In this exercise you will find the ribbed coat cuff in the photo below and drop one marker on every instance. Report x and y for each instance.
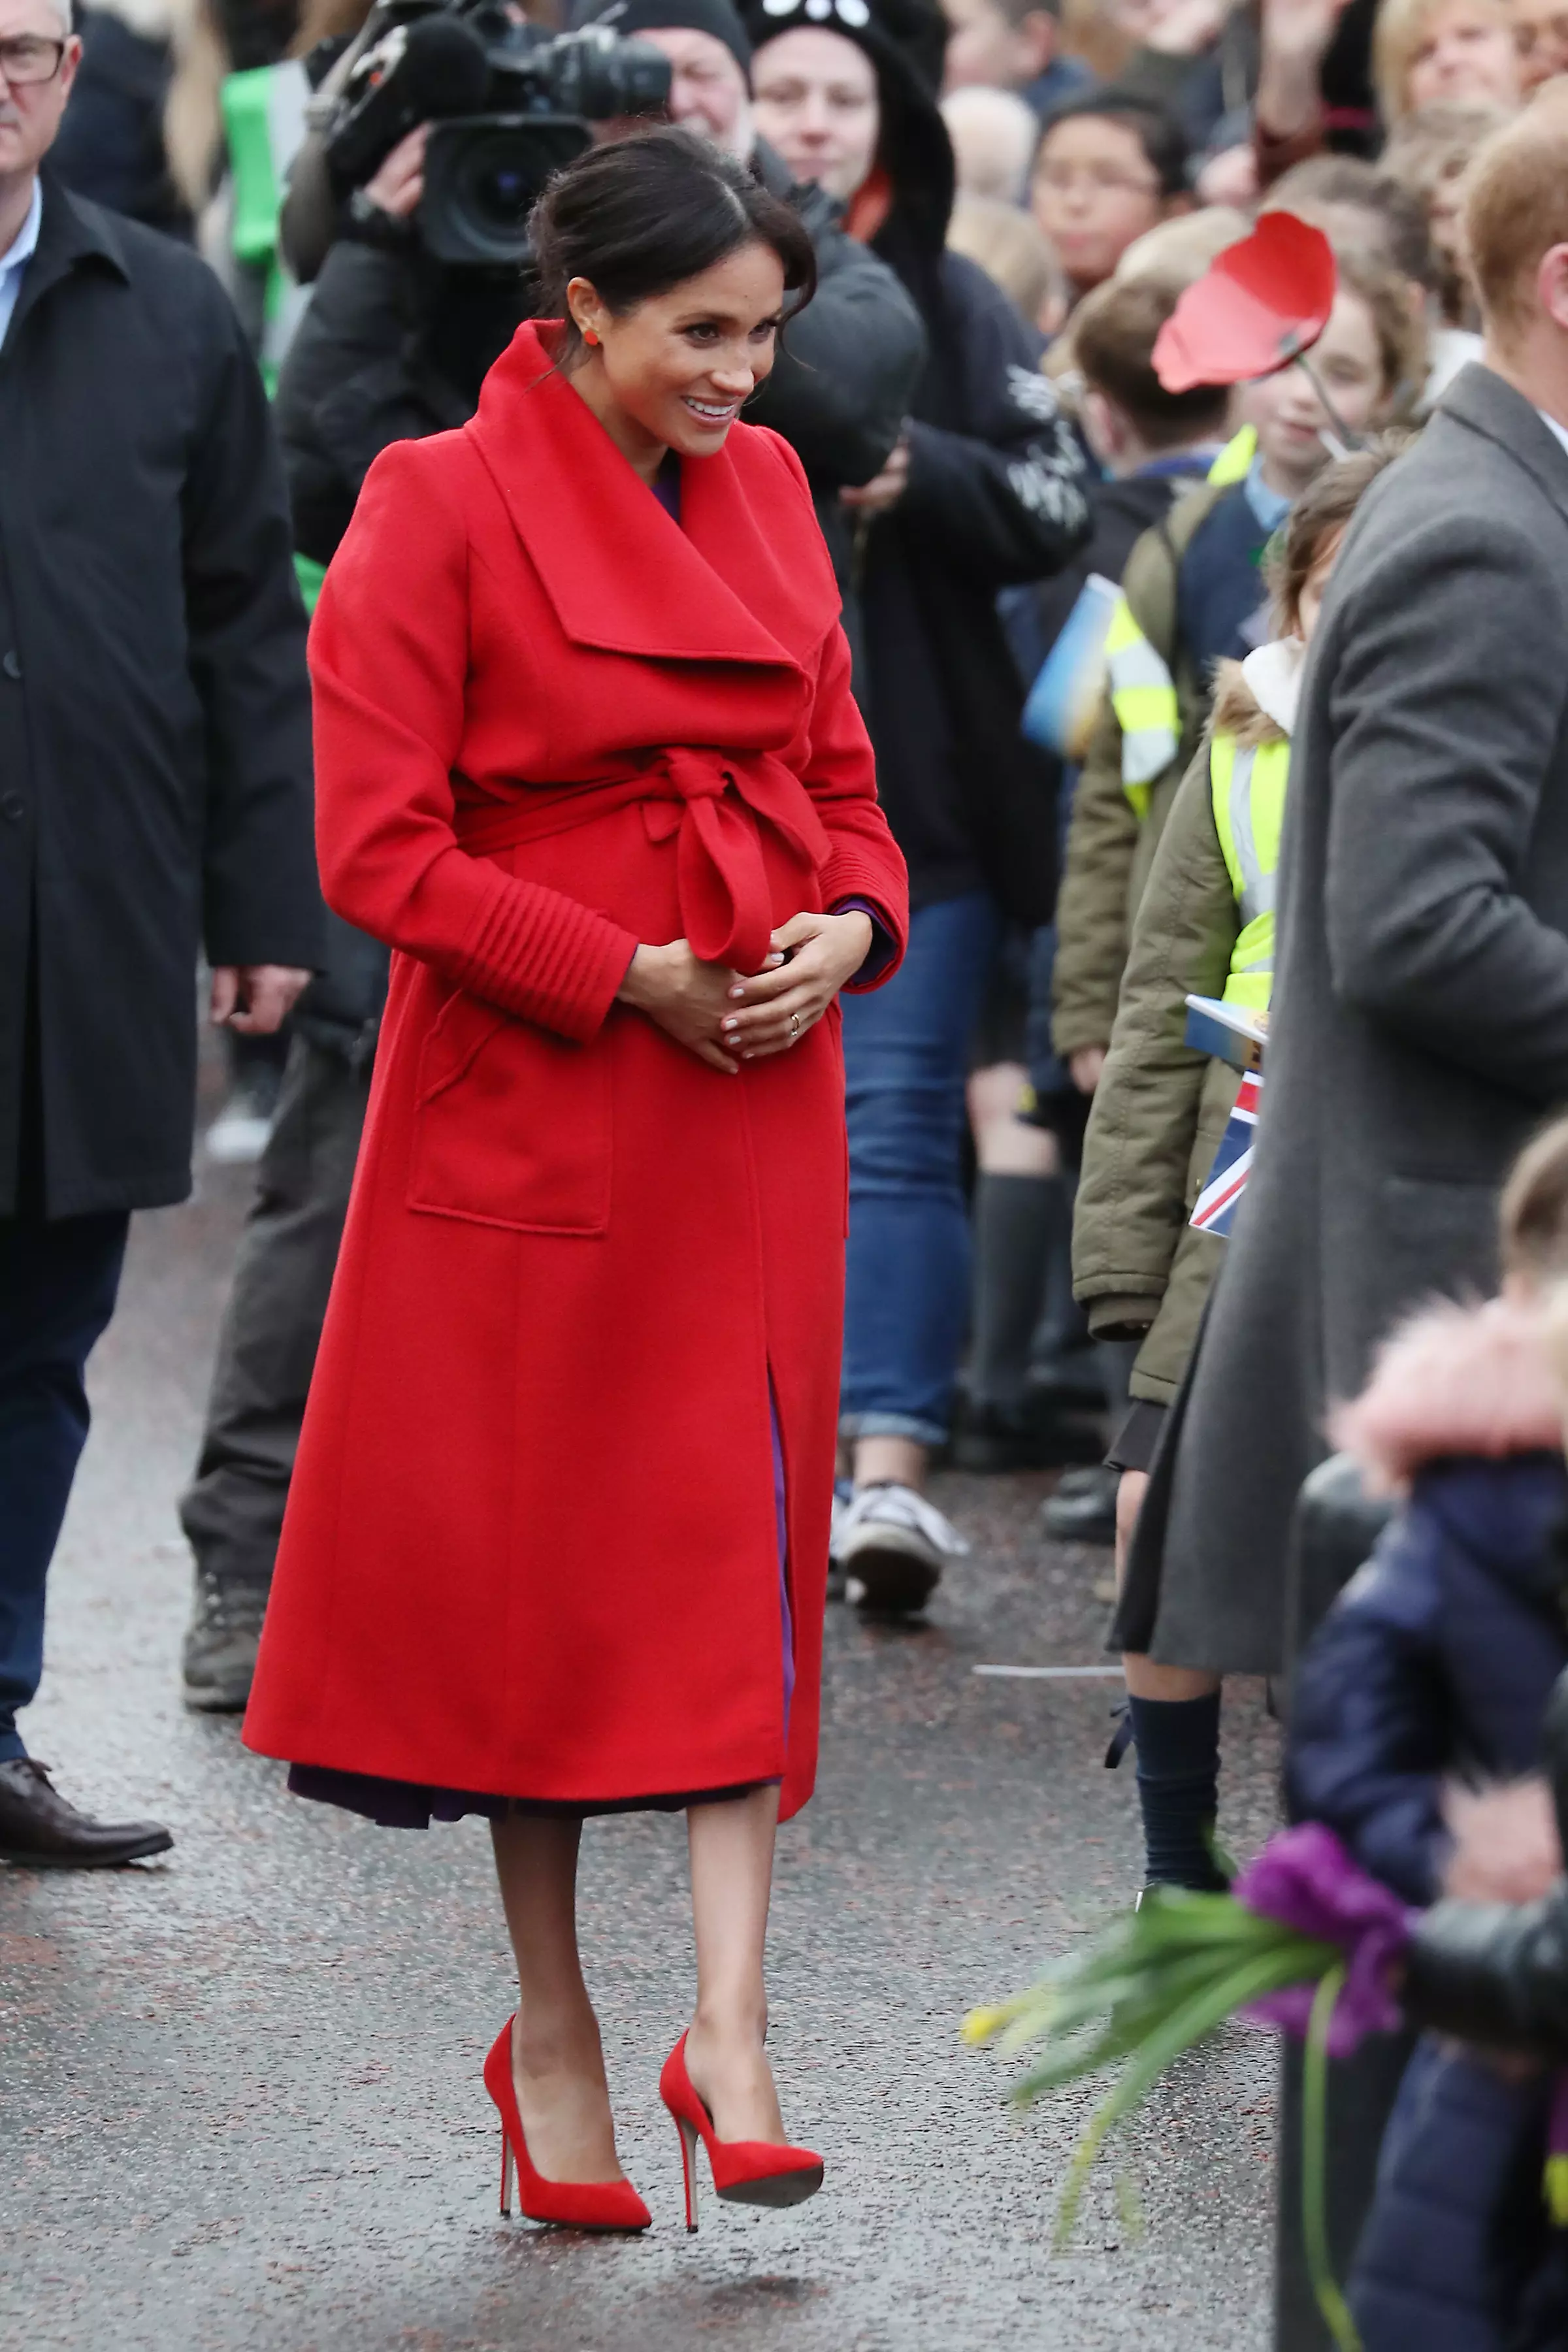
(1116, 1316)
(545, 958)
(847, 875)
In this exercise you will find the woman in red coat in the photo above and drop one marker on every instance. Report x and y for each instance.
(587, 758)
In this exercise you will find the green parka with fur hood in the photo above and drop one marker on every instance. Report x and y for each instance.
(1139, 1269)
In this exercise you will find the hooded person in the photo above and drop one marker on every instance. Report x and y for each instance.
(985, 489)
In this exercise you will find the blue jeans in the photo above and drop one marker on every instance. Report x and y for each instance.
(906, 1058)
(58, 1288)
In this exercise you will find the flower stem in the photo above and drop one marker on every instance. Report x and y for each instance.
(1315, 2165)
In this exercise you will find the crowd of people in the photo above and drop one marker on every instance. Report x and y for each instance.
(1244, 687)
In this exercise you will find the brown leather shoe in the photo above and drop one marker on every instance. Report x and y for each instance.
(41, 1832)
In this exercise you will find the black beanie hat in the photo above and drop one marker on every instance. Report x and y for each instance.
(904, 40)
(912, 31)
(719, 18)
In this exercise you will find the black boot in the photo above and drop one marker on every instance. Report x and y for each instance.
(41, 1832)
(221, 1643)
(1084, 1512)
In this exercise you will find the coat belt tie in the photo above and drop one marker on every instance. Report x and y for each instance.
(712, 805)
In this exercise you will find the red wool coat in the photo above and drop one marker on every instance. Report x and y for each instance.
(531, 1546)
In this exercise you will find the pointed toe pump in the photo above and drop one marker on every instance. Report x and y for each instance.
(570, 2204)
(745, 2171)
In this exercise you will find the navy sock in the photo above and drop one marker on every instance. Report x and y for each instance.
(1177, 1742)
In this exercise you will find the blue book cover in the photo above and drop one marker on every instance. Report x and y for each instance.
(1063, 702)
(1231, 1032)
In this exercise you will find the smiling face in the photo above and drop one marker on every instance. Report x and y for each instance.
(32, 35)
(1290, 419)
(815, 104)
(1465, 52)
(675, 372)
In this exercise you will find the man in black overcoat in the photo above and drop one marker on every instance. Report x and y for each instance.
(154, 801)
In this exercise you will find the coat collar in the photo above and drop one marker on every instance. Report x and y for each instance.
(72, 235)
(742, 577)
(1481, 398)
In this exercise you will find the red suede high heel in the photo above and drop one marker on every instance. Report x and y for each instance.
(745, 2171)
(573, 2204)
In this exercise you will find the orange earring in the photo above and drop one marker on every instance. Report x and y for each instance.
(590, 337)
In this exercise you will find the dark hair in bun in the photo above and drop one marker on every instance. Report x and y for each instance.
(640, 215)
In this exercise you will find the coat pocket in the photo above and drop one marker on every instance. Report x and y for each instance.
(512, 1124)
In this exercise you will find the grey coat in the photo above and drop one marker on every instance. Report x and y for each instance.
(1419, 1029)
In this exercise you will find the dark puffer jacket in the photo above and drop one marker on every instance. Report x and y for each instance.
(1439, 1663)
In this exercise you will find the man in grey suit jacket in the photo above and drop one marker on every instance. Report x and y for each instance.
(1420, 1021)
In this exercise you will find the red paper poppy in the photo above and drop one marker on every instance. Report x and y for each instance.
(1260, 305)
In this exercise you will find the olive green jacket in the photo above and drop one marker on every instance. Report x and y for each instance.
(1139, 1268)
(1110, 852)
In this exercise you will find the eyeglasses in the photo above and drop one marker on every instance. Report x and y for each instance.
(1098, 179)
(29, 59)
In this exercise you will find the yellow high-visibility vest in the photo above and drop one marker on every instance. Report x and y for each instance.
(1235, 460)
(1143, 696)
(1249, 791)
(1143, 690)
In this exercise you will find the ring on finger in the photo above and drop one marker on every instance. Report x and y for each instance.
(793, 1028)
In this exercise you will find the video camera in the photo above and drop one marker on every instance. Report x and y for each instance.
(507, 104)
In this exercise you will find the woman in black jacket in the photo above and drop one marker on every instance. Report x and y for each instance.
(985, 489)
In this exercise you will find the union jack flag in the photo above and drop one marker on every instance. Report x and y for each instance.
(1216, 1205)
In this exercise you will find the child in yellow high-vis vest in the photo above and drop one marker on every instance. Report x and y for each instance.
(1205, 925)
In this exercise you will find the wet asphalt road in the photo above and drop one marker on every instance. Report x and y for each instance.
(240, 2089)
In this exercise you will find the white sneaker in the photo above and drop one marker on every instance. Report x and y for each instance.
(892, 1544)
(239, 1133)
(843, 1496)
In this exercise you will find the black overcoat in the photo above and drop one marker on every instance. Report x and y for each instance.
(154, 704)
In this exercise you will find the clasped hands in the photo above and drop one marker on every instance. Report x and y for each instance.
(727, 1018)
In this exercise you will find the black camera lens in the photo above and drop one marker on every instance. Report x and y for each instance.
(502, 195)
(482, 178)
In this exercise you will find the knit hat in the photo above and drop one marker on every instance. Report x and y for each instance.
(904, 40)
(913, 30)
(717, 18)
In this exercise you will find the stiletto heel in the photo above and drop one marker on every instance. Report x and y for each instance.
(571, 2204)
(745, 2171)
(689, 2168)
